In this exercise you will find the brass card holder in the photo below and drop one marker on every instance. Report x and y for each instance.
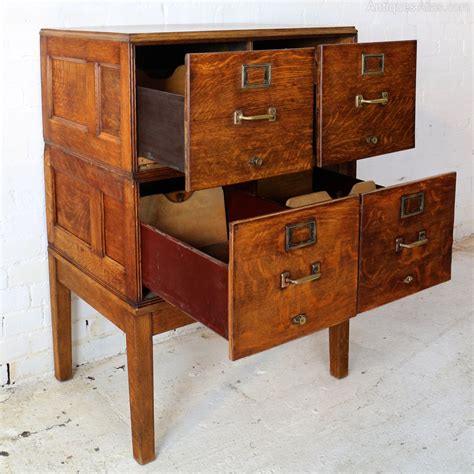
(373, 64)
(412, 204)
(308, 229)
(263, 70)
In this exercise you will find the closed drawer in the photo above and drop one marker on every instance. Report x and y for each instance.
(365, 100)
(287, 274)
(241, 116)
(406, 239)
(406, 234)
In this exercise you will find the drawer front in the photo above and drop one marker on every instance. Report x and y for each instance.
(318, 244)
(224, 90)
(406, 239)
(349, 75)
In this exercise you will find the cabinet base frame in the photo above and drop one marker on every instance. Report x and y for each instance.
(139, 325)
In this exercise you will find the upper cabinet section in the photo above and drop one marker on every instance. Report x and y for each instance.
(365, 100)
(231, 117)
(224, 105)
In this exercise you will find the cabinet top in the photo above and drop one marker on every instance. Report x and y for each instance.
(224, 31)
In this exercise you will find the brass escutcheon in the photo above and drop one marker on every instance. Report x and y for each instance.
(299, 319)
(256, 161)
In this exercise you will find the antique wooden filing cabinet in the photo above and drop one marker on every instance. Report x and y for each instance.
(208, 173)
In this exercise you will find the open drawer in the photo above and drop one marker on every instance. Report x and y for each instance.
(406, 235)
(365, 100)
(287, 274)
(231, 117)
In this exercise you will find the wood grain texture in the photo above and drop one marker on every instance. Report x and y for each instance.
(69, 90)
(160, 127)
(382, 270)
(214, 92)
(114, 231)
(109, 107)
(258, 257)
(61, 323)
(242, 205)
(343, 129)
(185, 277)
(73, 207)
(281, 188)
(167, 318)
(140, 383)
(339, 350)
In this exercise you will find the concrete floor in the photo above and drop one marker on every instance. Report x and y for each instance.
(405, 407)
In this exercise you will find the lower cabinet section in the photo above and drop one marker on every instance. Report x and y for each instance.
(286, 271)
(286, 274)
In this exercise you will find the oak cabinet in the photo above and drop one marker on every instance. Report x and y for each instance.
(208, 174)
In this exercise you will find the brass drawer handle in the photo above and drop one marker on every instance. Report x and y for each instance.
(286, 280)
(270, 116)
(360, 101)
(422, 240)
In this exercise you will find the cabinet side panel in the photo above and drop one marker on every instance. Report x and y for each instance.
(91, 220)
(87, 92)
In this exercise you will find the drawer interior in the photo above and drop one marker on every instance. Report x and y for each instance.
(194, 261)
(243, 201)
(193, 270)
(160, 98)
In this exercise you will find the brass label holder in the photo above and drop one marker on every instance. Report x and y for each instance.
(373, 64)
(292, 229)
(264, 69)
(406, 209)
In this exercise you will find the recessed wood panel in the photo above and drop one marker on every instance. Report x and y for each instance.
(91, 219)
(69, 90)
(114, 229)
(72, 205)
(109, 85)
(87, 96)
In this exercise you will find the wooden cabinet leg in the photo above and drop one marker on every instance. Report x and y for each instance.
(140, 382)
(339, 349)
(61, 323)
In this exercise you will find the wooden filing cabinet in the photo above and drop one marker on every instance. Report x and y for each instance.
(262, 115)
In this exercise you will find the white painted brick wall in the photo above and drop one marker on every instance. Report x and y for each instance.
(444, 135)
